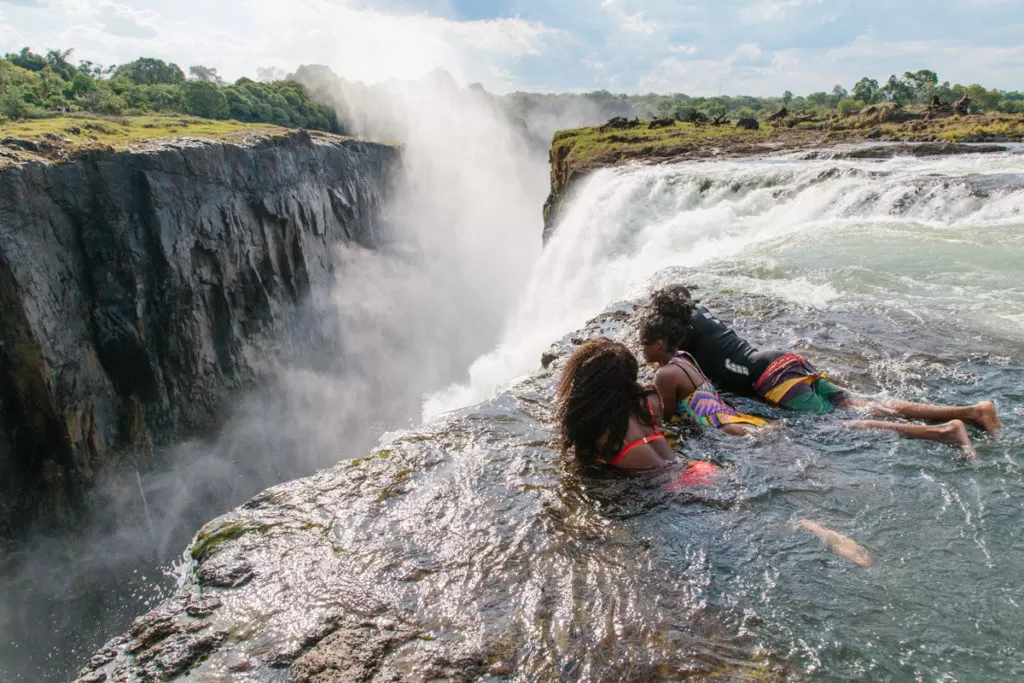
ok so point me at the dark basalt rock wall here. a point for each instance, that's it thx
(139, 291)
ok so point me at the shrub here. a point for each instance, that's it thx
(204, 99)
(110, 104)
(12, 104)
(849, 106)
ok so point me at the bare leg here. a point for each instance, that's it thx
(952, 432)
(740, 429)
(843, 545)
(982, 414)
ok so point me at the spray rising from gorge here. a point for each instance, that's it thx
(407, 313)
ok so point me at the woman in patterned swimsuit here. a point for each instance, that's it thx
(686, 391)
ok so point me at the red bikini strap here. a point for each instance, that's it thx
(654, 423)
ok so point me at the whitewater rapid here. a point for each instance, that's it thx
(930, 238)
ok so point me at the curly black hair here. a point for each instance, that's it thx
(597, 393)
(668, 316)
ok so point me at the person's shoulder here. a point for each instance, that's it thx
(701, 312)
(668, 371)
(653, 400)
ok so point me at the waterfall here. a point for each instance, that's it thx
(805, 231)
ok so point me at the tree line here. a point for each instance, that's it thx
(35, 85)
(917, 87)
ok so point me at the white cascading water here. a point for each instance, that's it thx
(811, 232)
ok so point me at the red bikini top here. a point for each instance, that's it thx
(628, 446)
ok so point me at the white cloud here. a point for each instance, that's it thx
(75, 7)
(772, 10)
(683, 49)
(635, 23)
(9, 36)
(127, 23)
(747, 50)
(511, 37)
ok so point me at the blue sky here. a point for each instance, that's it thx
(701, 47)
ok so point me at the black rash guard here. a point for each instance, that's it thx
(725, 357)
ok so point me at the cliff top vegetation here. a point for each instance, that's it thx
(624, 140)
(40, 85)
(63, 137)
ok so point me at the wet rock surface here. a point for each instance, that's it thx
(467, 550)
(470, 550)
(140, 291)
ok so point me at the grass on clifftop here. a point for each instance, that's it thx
(592, 142)
(586, 147)
(62, 137)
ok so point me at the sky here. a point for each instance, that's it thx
(700, 47)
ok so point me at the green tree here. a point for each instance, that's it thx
(27, 59)
(838, 94)
(818, 99)
(787, 99)
(897, 90)
(149, 71)
(866, 90)
(981, 98)
(58, 62)
(110, 103)
(81, 84)
(848, 107)
(923, 82)
(12, 103)
(239, 104)
(202, 98)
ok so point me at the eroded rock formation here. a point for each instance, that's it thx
(137, 291)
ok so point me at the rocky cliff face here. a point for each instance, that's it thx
(138, 291)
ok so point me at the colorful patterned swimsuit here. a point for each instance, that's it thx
(792, 382)
(704, 407)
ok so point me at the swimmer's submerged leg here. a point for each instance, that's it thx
(952, 432)
(741, 429)
(982, 414)
(842, 545)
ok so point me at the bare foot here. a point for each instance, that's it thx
(985, 416)
(954, 432)
(842, 545)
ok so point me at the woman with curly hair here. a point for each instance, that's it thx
(606, 417)
(675, 328)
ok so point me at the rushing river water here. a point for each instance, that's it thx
(900, 278)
